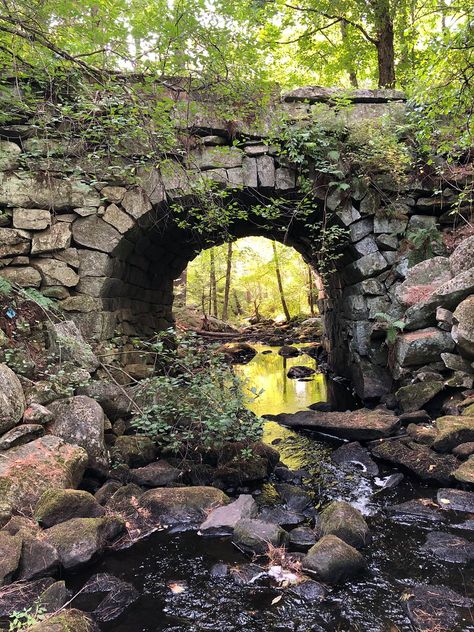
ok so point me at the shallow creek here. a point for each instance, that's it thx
(371, 603)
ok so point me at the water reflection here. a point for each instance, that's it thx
(268, 371)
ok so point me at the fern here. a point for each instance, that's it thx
(6, 287)
(40, 299)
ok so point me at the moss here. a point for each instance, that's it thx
(69, 620)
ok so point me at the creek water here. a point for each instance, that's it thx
(373, 602)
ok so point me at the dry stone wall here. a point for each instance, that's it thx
(109, 252)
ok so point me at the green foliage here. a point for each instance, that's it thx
(422, 242)
(393, 326)
(25, 619)
(198, 403)
(6, 288)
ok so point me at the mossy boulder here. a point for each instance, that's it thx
(12, 399)
(134, 450)
(332, 560)
(10, 547)
(181, 506)
(452, 431)
(415, 396)
(255, 536)
(27, 471)
(465, 473)
(346, 522)
(79, 540)
(59, 505)
(112, 397)
(68, 620)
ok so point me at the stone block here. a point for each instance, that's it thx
(422, 347)
(285, 179)
(93, 232)
(387, 242)
(249, 172)
(24, 277)
(348, 214)
(206, 157)
(57, 237)
(31, 218)
(118, 219)
(13, 242)
(30, 192)
(9, 155)
(94, 263)
(366, 246)
(266, 171)
(365, 267)
(55, 272)
(463, 330)
(462, 258)
(235, 176)
(69, 256)
(113, 194)
(390, 225)
(360, 229)
(370, 203)
(136, 202)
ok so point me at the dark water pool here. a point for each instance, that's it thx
(372, 603)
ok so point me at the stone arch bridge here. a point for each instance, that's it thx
(110, 252)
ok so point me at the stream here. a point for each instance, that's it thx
(371, 603)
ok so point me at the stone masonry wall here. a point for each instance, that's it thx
(109, 252)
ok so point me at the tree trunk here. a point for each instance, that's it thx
(225, 307)
(385, 45)
(213, 285)
(279, 281)
(238, 306)
(345, 42)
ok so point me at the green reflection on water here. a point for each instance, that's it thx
(268, 371)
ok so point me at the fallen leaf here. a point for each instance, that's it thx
(444, 501)
(277, 599)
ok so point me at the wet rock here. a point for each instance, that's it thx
(54, 597)
(28, 470)
(59, 505)
(21, 595)
(157, 474)
(295, 498)
(120, 595)
(66, 341)
(322, 407)
(20, 435)
(431, 607)
(464, 450)
(111, 397)
(414, 396)
(245, 574)
(419, 459)
(288, 352)
(354, 456)
(283, 517)
(238, 352)
(254, 536)
(221, 521)
(453, 431)
(182, 507)
(301, 538)
(420, 510)
(391, 481)
(449, 548)
(12, 399)
(456, 500)
(79, 540)
(134, 450)
(298, 372)
(359, 425)
(346, 522)
(219, 570)
(332, 560)
(238, 472)
(310, 590)
(415, 417)
(80, 420)
(65, 621)
(283, 473)
(38, 558)
(10, 547)
(465, 472)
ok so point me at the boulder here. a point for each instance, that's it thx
(119, 595)
(463, 256)
(54, 272)
(310, 591)
(181, 507)
(452, 431)
(80, 420)
(66, 341)
(422, 347)
(238, 352)
(456, 500)
(414, 396)
(354, 456)
(346, 522)
(332, 560)
(56, 237)
(422, 433)
(66, 621)
(157, 474)
(464, 450)
(288, 351)
(422, 279)
(59, 505)
(79, 540)
(418, 511)
(295, 498)
(29, 470)
(431, 607)
(31, 218)
(449, 548)
(92, 232)
(134, 450)
(9, 155)
(463, 330)
(113, 398)
(20, 435)
(12, 399)
(418, 459)
(359, 425)
(286, 518)
(465, 472)
(298, 372)
(19, 597)
(54, 597)
(301, 538)
(222, 521)
(38, 559)
(37, 414)
(255, 536)
(10, 546)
